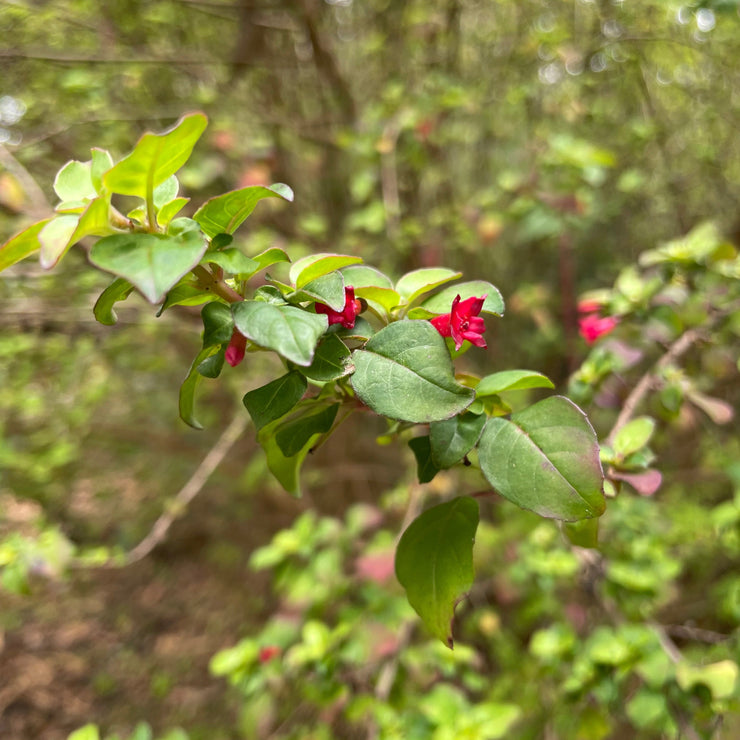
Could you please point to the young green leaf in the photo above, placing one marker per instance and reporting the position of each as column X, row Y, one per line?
column 546, row 458
column 434, row 562
column 633, row 436
column 100, row 163
column 225, row 213
column 309, row 268
column 21, row 245
column 274, row 400
column 441, row 302
column 155, row 158
column 290, row 331
column 415, row 284
column 405, row 372
column 152, row 262
column 56, row 238
column 74, row 182
column 511, row 380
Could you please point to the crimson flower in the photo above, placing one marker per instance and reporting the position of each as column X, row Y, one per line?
column 345, row 317
column 268, row 652
column 235, row 350
column 463, row 322
column 593, row 326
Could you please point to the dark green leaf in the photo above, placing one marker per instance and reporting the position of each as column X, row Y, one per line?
column 511, row 380
column 276, row 399
column 425, row 467
column 189, row 386
column 442, row 301
column 218, row 324
column 153, row 263
column 453, row 438
column 328, row 289
column 155, row 158
column 434, row 562
column 330, row 362
column 211, row 367
column 225, row 213
column 231, row 260
column 118, row 290
column 584, row 533
column 546, row 458
column 294, row 433
column 405, row 372
column 221, row 240
column 290, row 331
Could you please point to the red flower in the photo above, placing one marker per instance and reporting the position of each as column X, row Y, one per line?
column 593, row 326
column 236, row 348
column 345, row 317
column 268, row 652
column 463, row 322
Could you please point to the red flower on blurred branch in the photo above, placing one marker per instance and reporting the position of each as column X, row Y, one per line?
column 268, row 652
column 463, row 322
column 345, row 317
column 591, row 326
column 235, row 350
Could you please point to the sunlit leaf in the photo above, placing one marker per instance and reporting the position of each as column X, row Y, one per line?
column 442, row 301
column 21, row 245
column 309, row 268
column 511, row 380
column 415, row 284
column 74, row 182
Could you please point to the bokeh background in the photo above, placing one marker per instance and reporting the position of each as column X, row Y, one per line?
column 539, row 145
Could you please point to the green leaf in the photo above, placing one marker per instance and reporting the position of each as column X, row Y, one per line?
column 425, row 467
column 633, row 436
column 155, row 158
column 414, row 284
column 225, row 213
column 88, row 732
column 363, row 276
column 118, row 290
column 290, row 331
column 189, row 386
column 211, row 367
column 720, row 678
column 55, row 239
column 294, row 433
column 434, row 562
column 100, row 163
column 185, row 294
column 309, row 268
column 583, row 533
column 74, row 182
column 169, row 210
column 218, row 324
column 546, row 458
column 405, row 372
column 511, row 380
column 21, row 245
column 276, row 399
column 453, row 438
column 269, row 257
column 382, row 300
column 328, row 289
column 165, row 191
column 442, row 301
column 152, row 262
column 232, row 260
column 330, row 362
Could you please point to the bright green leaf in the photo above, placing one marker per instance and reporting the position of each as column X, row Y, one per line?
column 546, row 458
column 55, row 239
column 415, row 284
column 720, row 678
column 583, row 533
column 88, row 732
column 271, row 256
column 21, row 245
column 231, row 260
column 309, row 268
column 225, row 213
column 453, row 438
column 74, row 182
column 166, row 191
column 511, row 380
column 118, row 290
column 100, row 163
column 169, row 210
column 152, row 262
column 185, row 294
column 274, row 400
column 405, row 372
column 155, row 158
column 633, row 436
column 442, row 301
column 290, row 331
column 434, row 562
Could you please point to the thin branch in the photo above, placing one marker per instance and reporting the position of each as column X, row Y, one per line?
column 186, row 494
